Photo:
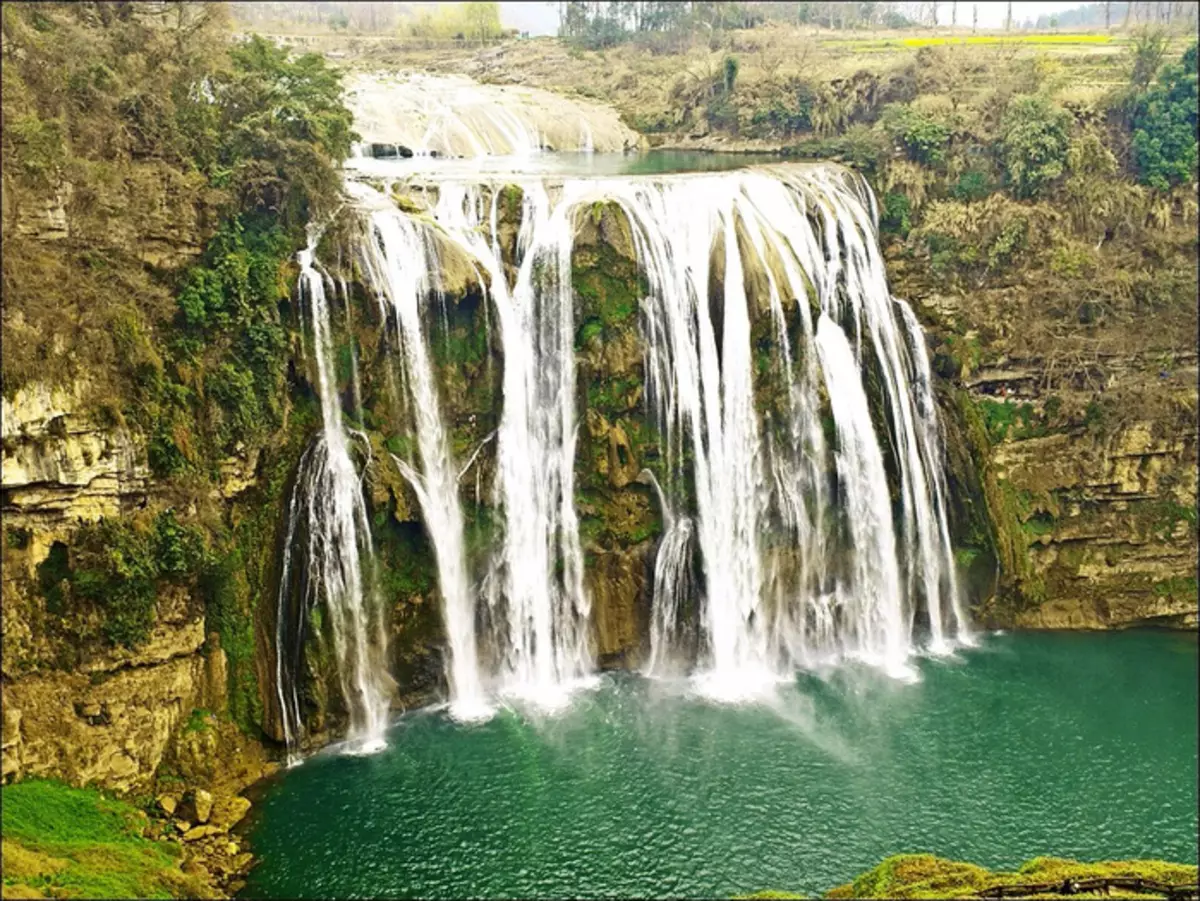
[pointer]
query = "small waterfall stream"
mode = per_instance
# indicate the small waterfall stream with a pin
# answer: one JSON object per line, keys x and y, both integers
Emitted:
{"x": 327, "y": 515}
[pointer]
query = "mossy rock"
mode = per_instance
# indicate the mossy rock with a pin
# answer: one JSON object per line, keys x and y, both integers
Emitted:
{"x": 927, "y": 876}
{"x": 608, "y": 283}
{"x": 916, "y": 876}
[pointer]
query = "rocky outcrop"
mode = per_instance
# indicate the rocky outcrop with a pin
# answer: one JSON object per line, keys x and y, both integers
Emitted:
{"x": 1115, "y": 517}
{"x": 60, "y": 465}
{"x": 91, "y": 712}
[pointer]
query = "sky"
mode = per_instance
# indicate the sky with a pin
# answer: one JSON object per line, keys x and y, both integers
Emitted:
{"x": 542, "y": 18}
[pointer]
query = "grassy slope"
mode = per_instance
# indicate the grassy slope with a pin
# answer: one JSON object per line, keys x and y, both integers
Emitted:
{"x": 76, "y": 843}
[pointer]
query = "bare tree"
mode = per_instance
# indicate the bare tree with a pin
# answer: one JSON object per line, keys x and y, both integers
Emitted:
{"x": 1108, "y": 15}
{"x": 1128, "y": 10}
{"x": 954, "y": 13}
{"x": 1008, "y": 18}
{"x": 974, "y": 17}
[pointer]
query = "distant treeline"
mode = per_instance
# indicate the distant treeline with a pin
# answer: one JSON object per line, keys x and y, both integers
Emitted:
{"x": 601, "y": 23}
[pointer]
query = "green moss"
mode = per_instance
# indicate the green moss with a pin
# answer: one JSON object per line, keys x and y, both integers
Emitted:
{"x": 1038, "y": 525}
{"x": 926, "y": 876}
{"x": 200, "y": 720}
{"x": 608, "y": 284}
{"x": 16, "y": 538}
{"x": 1176, "y": 587}
{"x": 117, "y": 567}
{"x": 511, "y": 199}
{"x": 593, "y": 328}
{"x": 1006, "y": 419}
{"x": 81, "y": 843}
{"x": 918, "y": 876}
{"x": 400, "y": 445}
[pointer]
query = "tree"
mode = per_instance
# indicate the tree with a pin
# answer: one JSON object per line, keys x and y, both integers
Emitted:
{"x": 730, "y": 73}
{"x": 1146, "y": 53}
{"x": 482, "y": 20}
{"x": 283, "y": 127}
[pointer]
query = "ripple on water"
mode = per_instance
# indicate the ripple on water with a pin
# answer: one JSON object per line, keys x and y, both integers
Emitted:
{"x": 1074, "y": 745}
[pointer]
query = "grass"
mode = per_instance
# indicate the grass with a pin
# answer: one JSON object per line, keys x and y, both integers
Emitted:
{"x": 79, "y": 843}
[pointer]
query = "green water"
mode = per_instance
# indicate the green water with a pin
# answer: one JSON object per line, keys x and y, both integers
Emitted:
{"x": 1075, "y": 745}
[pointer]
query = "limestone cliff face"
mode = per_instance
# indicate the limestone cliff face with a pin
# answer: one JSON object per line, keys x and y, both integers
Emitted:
{"x": 89, "y": 713}
{"x": 1082, "y": 428}
{"x": 1118, "y": 547}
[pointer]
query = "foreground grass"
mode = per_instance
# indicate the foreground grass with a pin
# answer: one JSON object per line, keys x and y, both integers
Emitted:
{"x": 926, "y": 876}
{"x": 68, "y": 842}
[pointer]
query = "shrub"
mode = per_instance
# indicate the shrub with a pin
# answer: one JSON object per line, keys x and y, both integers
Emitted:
{"x": 896, "y": 214}
{"x": 970, "y": 186}
{"x": 1164, "y": 126}
{"x": 976, "y": 238}
{"x": 924, "y": 136}
{"x": 1034, "y": 140}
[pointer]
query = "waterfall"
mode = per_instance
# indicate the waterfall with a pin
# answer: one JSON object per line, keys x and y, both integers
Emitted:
{"x": 536, "y": 590}
{"x": 870, "y": 598}
{"x": 398, "y": 259}
{"x": 328, "y": 530}
{"x": 810, "y": 234}
{"x": 785, "y": 406}
{"x": 672, "y": 566}
{"x": 540, "y": 561}
{"x": 585, "y": 137}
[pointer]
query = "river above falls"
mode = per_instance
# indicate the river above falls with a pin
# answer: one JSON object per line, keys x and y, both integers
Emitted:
{"x": 1071, "y": 745}
{"x": 565, "y": 165}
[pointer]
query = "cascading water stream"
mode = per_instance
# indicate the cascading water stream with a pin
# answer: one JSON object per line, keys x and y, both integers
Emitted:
{"x": 327, "y": 514}
{"x": 398, "y": 259}
{"x": 540, "y": 561}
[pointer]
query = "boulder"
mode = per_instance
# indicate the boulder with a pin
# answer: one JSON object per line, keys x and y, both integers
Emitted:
{"x": 203, "y": 801}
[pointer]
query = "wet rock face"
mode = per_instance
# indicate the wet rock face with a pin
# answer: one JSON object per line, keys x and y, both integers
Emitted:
{"x": 1086, "y": 460}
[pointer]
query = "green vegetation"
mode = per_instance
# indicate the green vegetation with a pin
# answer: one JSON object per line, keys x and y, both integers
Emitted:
{"x": 1164, "y": 126}
{"x": 78, "y": 843}
{"x": 924, "y": 136}
{"x": 1034, "y": 137}
{"x": 1176, "y": 587}
{"x": 118, "y": 566}
{"x": 456, "y": 21}
{"x": 101, "y": 97}
{"x": 926, "y": 876}
{"x": 1005, "y": 419}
